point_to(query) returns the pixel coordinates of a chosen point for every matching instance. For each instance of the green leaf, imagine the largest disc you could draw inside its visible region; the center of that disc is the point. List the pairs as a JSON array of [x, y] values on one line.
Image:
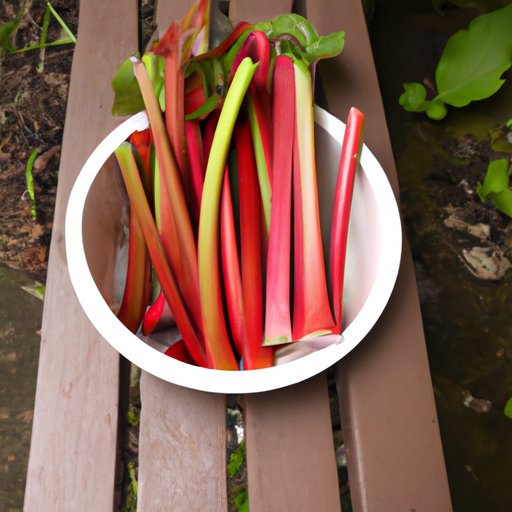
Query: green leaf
[[312, 47], [414, 97], [326, 47], [473, 60], [30, 180], [8, 30], [508, 408], [127, 96], [495, 180], [436, 109], [236, 459], [503, 201], [208, 106], [65, 28], [241, 501]]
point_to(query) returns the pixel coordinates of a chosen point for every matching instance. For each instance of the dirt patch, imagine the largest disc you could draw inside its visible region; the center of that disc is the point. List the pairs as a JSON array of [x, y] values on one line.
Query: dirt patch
[[32, 112]]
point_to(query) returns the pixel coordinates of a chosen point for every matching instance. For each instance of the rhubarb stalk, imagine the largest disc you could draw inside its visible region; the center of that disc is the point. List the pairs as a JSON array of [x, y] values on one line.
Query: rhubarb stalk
[[216, 338], [311, 309], [172, 186], [350, 154], [140, 206], [251, 243], [277, 314]]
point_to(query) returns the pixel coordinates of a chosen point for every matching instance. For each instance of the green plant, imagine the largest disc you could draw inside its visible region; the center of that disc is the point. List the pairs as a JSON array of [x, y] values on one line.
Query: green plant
[[30, 181], [8, 31], [508, 408], [495, 186], [470, 68]]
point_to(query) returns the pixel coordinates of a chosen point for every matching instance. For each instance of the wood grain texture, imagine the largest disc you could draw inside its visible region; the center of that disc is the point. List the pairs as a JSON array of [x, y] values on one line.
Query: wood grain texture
[[182, 449], [252, 12], [290, 449], [388, 412], [182, 442], [73, 449]]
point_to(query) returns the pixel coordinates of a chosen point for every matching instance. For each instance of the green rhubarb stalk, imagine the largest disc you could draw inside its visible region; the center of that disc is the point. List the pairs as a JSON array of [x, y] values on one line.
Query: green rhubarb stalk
[[172, 186], [277, 313], [261, 142], [311, 309], [140, 206], [350, 154], [215, 333]]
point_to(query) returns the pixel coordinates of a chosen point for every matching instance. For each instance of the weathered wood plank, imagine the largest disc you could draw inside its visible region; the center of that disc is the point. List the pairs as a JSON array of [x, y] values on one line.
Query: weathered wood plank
[[394, 450], [182, 442], [73, 449], [290, 449], [290, 452], [252, 12], [182, 449]]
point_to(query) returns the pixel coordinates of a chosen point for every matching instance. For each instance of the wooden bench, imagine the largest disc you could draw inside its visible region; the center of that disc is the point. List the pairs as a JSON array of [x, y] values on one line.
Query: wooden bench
[[395, 459]]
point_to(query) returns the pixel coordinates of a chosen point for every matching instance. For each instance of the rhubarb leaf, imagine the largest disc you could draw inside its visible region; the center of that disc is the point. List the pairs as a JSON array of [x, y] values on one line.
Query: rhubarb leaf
[[311, 46]]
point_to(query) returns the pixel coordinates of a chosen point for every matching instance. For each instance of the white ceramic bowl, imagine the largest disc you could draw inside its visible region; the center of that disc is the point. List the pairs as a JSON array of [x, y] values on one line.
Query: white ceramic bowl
[[373, 258]]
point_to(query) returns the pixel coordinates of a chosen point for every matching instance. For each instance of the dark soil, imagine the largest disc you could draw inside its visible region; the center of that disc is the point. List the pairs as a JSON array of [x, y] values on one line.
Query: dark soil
[[32, 112]]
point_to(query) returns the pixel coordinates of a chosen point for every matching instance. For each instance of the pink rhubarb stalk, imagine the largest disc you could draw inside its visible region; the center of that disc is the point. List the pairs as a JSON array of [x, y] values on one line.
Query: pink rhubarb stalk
[[277, 313], [350, 154], [311, 309]]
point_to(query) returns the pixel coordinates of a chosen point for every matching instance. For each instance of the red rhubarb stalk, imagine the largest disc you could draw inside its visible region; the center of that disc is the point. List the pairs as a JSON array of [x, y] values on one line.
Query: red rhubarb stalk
[[311, 308], [140, 206], [216, 338], [178, 350], [158, 316], [277, 313], [196, 163], [231, 265], [172, 186], [251, 243], [350, 154], [138, 283]]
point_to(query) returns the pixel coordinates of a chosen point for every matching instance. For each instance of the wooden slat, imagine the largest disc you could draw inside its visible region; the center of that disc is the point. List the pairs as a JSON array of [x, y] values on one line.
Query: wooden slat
[[73, 450], [182, 442], [182, 449], [252, 12], [290, 452], [388, 412]]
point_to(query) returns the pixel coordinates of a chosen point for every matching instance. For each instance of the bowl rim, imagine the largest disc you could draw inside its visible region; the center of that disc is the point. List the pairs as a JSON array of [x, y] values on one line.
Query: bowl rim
[[219, 381]]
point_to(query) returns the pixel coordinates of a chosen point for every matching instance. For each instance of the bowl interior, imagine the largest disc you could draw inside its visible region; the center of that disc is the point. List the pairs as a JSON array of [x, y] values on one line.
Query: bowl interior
[[96, 247]]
